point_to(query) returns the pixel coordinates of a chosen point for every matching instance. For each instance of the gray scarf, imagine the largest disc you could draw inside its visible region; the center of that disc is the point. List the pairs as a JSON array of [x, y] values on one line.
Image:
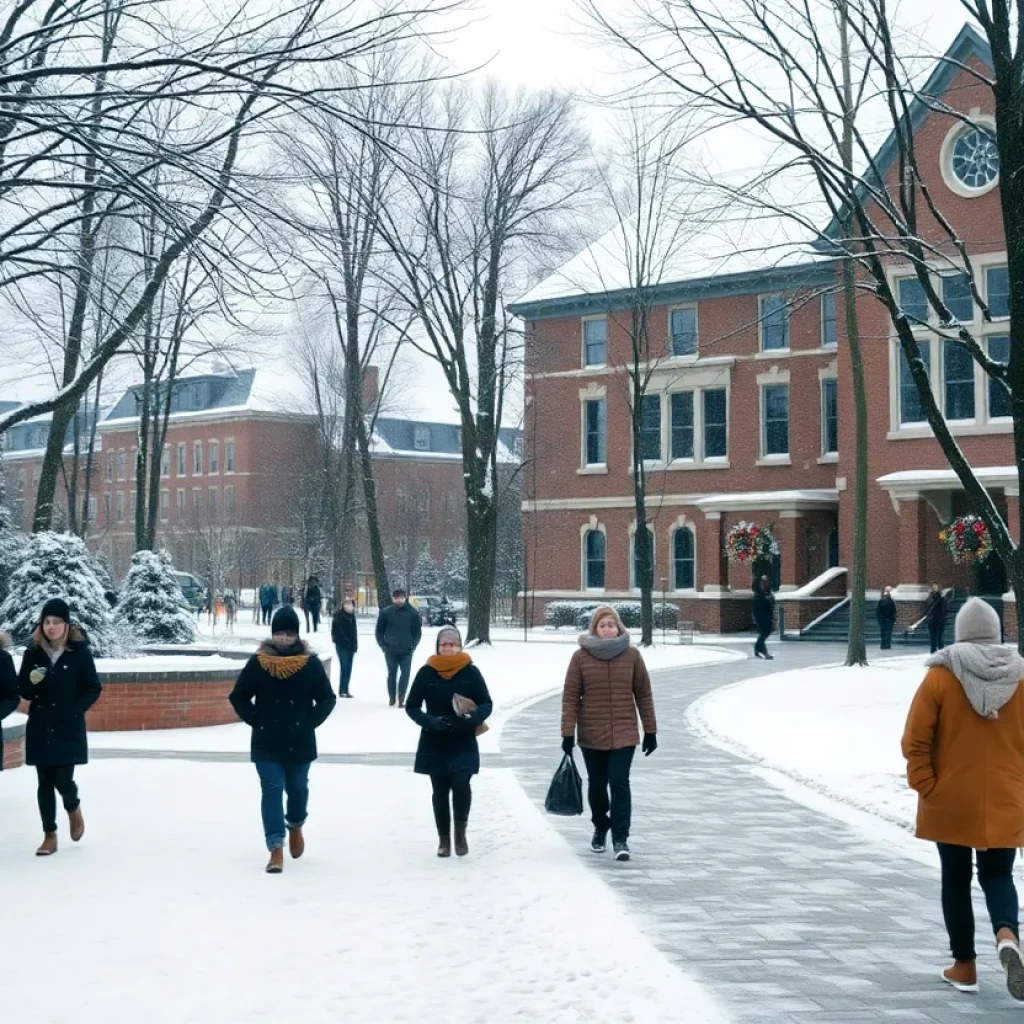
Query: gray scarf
[[989, 673], [604, 648]]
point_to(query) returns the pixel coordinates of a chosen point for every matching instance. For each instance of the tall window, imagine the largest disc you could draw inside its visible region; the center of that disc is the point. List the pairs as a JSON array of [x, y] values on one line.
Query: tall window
[[165, 505], [829, 417], [684, 331], [682, 424], [197, 458], [181, 458], [421, 437], [910, 400], [595, 342], [913, 300], [110, 466], [120, 506], [775, 419], [229, 456], [211, 503], [774, 323], [180, 503], [650, 428], [683, 575], [958, 375], [593, 551], [135, 464], [106, 508], [956, 294], [715, 424], [92, 510], [196, 500], [997, 290], [229, 500], [132, 504], [595, 424], [828, 319], [214, 457], [122, 465], [165, 462], [998, 396], [636, 557]]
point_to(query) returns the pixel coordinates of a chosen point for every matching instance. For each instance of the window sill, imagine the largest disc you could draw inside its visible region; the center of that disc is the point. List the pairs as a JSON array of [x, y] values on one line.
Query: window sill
[[773, 353], [829, 459], [595, 470], [686, 466], [960, 428], [593, 367], [774, 460]]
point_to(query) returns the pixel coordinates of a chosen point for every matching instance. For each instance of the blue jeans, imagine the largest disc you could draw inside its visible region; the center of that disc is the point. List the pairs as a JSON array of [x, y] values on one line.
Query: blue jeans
[[398, 663], [345, 659], [276, 780]]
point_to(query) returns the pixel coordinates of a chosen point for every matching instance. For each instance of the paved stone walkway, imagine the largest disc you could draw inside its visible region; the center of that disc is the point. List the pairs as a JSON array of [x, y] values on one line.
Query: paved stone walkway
[[787, 915]]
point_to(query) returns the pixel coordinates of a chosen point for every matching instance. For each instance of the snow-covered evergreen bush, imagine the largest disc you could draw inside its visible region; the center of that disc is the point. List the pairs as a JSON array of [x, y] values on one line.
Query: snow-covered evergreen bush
[[578, 613], [426, 576], [12, 541], [455, 573], [58, 565], [152, 602]]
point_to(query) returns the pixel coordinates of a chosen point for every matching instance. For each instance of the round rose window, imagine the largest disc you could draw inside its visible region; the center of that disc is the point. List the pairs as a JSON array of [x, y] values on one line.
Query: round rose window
[[975, 159]]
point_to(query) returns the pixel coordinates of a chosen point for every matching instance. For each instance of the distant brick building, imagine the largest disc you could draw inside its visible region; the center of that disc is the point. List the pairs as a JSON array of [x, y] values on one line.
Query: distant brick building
[[749, 412]]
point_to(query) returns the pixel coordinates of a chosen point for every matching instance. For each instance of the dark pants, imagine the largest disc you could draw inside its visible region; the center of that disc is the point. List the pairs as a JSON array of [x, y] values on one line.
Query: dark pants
[[345, 659], [995, 874], [456, 784], [609, 770], [937, 636], [276, 780], [53, 779], [267, 610], [760, 647], [886, 629], [399, 665], [315, 612]]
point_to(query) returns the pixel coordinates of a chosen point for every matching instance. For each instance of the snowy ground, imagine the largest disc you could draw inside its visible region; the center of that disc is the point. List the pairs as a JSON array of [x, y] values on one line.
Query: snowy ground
[[517, 673], [163, 912]]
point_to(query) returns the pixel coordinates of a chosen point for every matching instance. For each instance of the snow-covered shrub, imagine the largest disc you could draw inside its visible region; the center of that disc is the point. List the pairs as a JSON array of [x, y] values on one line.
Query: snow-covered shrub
[[152, 602], [12, 542], [578, 613], [666, 616], [568, 613], [58, 565]]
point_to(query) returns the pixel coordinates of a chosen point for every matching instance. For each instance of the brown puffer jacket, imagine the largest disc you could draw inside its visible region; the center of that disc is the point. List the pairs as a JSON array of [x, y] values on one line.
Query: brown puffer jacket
[[601, 699]]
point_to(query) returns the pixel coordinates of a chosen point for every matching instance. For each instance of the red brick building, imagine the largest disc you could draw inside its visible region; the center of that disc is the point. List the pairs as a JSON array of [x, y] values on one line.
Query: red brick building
[[748, 414]]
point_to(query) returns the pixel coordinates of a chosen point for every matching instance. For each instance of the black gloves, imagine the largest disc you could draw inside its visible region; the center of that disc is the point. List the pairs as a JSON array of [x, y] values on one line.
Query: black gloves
[[650, 744], [568, 742], [438, 723]]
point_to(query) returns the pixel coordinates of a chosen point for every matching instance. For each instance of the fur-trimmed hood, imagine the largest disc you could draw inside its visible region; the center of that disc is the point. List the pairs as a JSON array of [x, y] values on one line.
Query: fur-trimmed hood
[[283, 666]]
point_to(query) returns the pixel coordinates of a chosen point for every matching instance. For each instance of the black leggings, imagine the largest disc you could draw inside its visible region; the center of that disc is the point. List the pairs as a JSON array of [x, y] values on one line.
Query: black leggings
[[59, 778], [457, 784]]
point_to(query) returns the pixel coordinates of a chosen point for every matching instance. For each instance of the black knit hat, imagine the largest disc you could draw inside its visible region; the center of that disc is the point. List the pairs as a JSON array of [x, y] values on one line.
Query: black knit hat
[[56, 608], [285, 620]]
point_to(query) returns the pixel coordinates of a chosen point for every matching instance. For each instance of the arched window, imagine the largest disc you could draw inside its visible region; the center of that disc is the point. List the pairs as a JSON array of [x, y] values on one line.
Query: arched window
[[683, 565], [636, 560], [593, 560]]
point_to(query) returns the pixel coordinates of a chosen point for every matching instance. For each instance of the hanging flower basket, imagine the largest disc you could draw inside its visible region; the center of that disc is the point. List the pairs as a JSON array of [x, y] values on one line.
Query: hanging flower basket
[[746, 543], [967, 539]]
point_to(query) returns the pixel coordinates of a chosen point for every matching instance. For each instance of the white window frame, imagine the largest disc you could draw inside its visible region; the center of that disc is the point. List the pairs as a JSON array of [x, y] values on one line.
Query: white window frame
[[421, 437], [212, 503], [583, 342], [689, 528], [230, 455], [180, 503], [828, 455], [213, 457], [165, 506], [182, 459], [165, 462], [197, 458], [774, 378], [695, 354], [761, 299], [229, 501], [825, 296], [592, 526]]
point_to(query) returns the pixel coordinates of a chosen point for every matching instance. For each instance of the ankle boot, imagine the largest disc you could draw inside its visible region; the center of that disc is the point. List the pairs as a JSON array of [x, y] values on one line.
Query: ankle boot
[[461, 849], [296, 842], [48, 846], [444, 844], [76, 823], [276, 863]]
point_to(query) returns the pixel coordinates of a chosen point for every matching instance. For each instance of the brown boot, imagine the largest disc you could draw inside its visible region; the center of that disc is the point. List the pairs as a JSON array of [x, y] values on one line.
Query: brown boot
[[461, 848], [962, 975], [49, 845], [296, 843], [276, 863], [444, 844], [76, 823]]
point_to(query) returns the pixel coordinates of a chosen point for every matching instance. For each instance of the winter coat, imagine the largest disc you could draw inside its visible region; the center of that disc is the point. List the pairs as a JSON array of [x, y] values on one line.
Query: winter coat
[[9, 698], [55, 734], [886, 610], [312, 598], [443, 752], [285, 698], [764, 610], [343, 631], [268, 595], [399, 629], [935, 609], [600, 700]]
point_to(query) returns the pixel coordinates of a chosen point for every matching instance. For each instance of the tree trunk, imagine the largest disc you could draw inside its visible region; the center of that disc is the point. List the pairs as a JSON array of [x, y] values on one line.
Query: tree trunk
[[481, 524], [90, 459]]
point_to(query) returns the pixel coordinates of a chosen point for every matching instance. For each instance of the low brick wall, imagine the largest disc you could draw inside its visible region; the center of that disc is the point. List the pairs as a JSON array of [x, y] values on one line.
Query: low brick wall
[[14, 745], [171, 700]]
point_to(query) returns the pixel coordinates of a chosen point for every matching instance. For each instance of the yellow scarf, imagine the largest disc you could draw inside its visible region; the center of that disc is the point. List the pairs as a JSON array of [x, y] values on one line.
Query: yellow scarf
[[280, 666], [447, 665]]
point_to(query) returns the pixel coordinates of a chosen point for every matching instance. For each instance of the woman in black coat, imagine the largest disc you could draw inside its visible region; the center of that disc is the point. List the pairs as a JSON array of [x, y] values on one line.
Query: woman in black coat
[[58, 678], [284, 694], [764, 615], [346, 642], [9, 698], [886, 613], [448, 750]]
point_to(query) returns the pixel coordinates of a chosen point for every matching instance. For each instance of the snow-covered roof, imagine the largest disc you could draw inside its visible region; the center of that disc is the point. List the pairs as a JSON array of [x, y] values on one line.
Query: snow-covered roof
[[777, 500], [925, 479], [419, 439]]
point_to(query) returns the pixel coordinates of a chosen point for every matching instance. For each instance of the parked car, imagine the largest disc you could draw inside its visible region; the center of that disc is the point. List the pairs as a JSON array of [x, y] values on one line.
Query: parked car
[[191, 589]]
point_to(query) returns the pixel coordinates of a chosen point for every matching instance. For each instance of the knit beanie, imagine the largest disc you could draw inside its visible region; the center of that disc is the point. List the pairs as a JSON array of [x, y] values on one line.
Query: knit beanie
[[55, 608], [447, 631], [285, 620], [978, 623], [603, 611]]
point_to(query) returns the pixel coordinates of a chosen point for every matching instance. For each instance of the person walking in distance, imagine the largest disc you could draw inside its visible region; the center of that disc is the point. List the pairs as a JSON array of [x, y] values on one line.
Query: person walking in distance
[[283, 692], [964, 747], [9, 697], [935, 611], [886, 614], [448, 750], [764, 616], [58, 678], [311, 600], [346, 642], [267, 601], [605, 686], [398, 634]]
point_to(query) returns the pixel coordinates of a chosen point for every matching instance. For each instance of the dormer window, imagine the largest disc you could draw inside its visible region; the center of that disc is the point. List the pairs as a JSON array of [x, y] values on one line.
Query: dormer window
[[421, 437]]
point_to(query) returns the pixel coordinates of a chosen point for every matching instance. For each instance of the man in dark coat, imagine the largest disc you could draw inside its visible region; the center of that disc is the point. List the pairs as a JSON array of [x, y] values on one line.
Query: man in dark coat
[[886, 613], [764, 615], [345, 634], [284, 694], [935, 609], [9, 698], [58, 678], [311, 600], [398, 634]]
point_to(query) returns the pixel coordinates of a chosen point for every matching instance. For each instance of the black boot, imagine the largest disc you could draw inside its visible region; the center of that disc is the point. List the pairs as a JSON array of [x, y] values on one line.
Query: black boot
[[444, 845], [461, 847]]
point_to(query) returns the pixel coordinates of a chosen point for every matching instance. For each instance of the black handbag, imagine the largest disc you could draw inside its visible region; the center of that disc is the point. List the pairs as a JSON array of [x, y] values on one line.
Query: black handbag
[[565, 794]]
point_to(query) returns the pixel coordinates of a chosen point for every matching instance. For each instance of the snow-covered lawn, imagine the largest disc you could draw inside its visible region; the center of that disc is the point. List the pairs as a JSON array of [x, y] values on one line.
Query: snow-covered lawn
[[835, 729], [517, 673], [163, 912]]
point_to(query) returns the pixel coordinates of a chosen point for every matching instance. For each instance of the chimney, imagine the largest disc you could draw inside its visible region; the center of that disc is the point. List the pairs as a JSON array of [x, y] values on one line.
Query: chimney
[[370, 388]]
